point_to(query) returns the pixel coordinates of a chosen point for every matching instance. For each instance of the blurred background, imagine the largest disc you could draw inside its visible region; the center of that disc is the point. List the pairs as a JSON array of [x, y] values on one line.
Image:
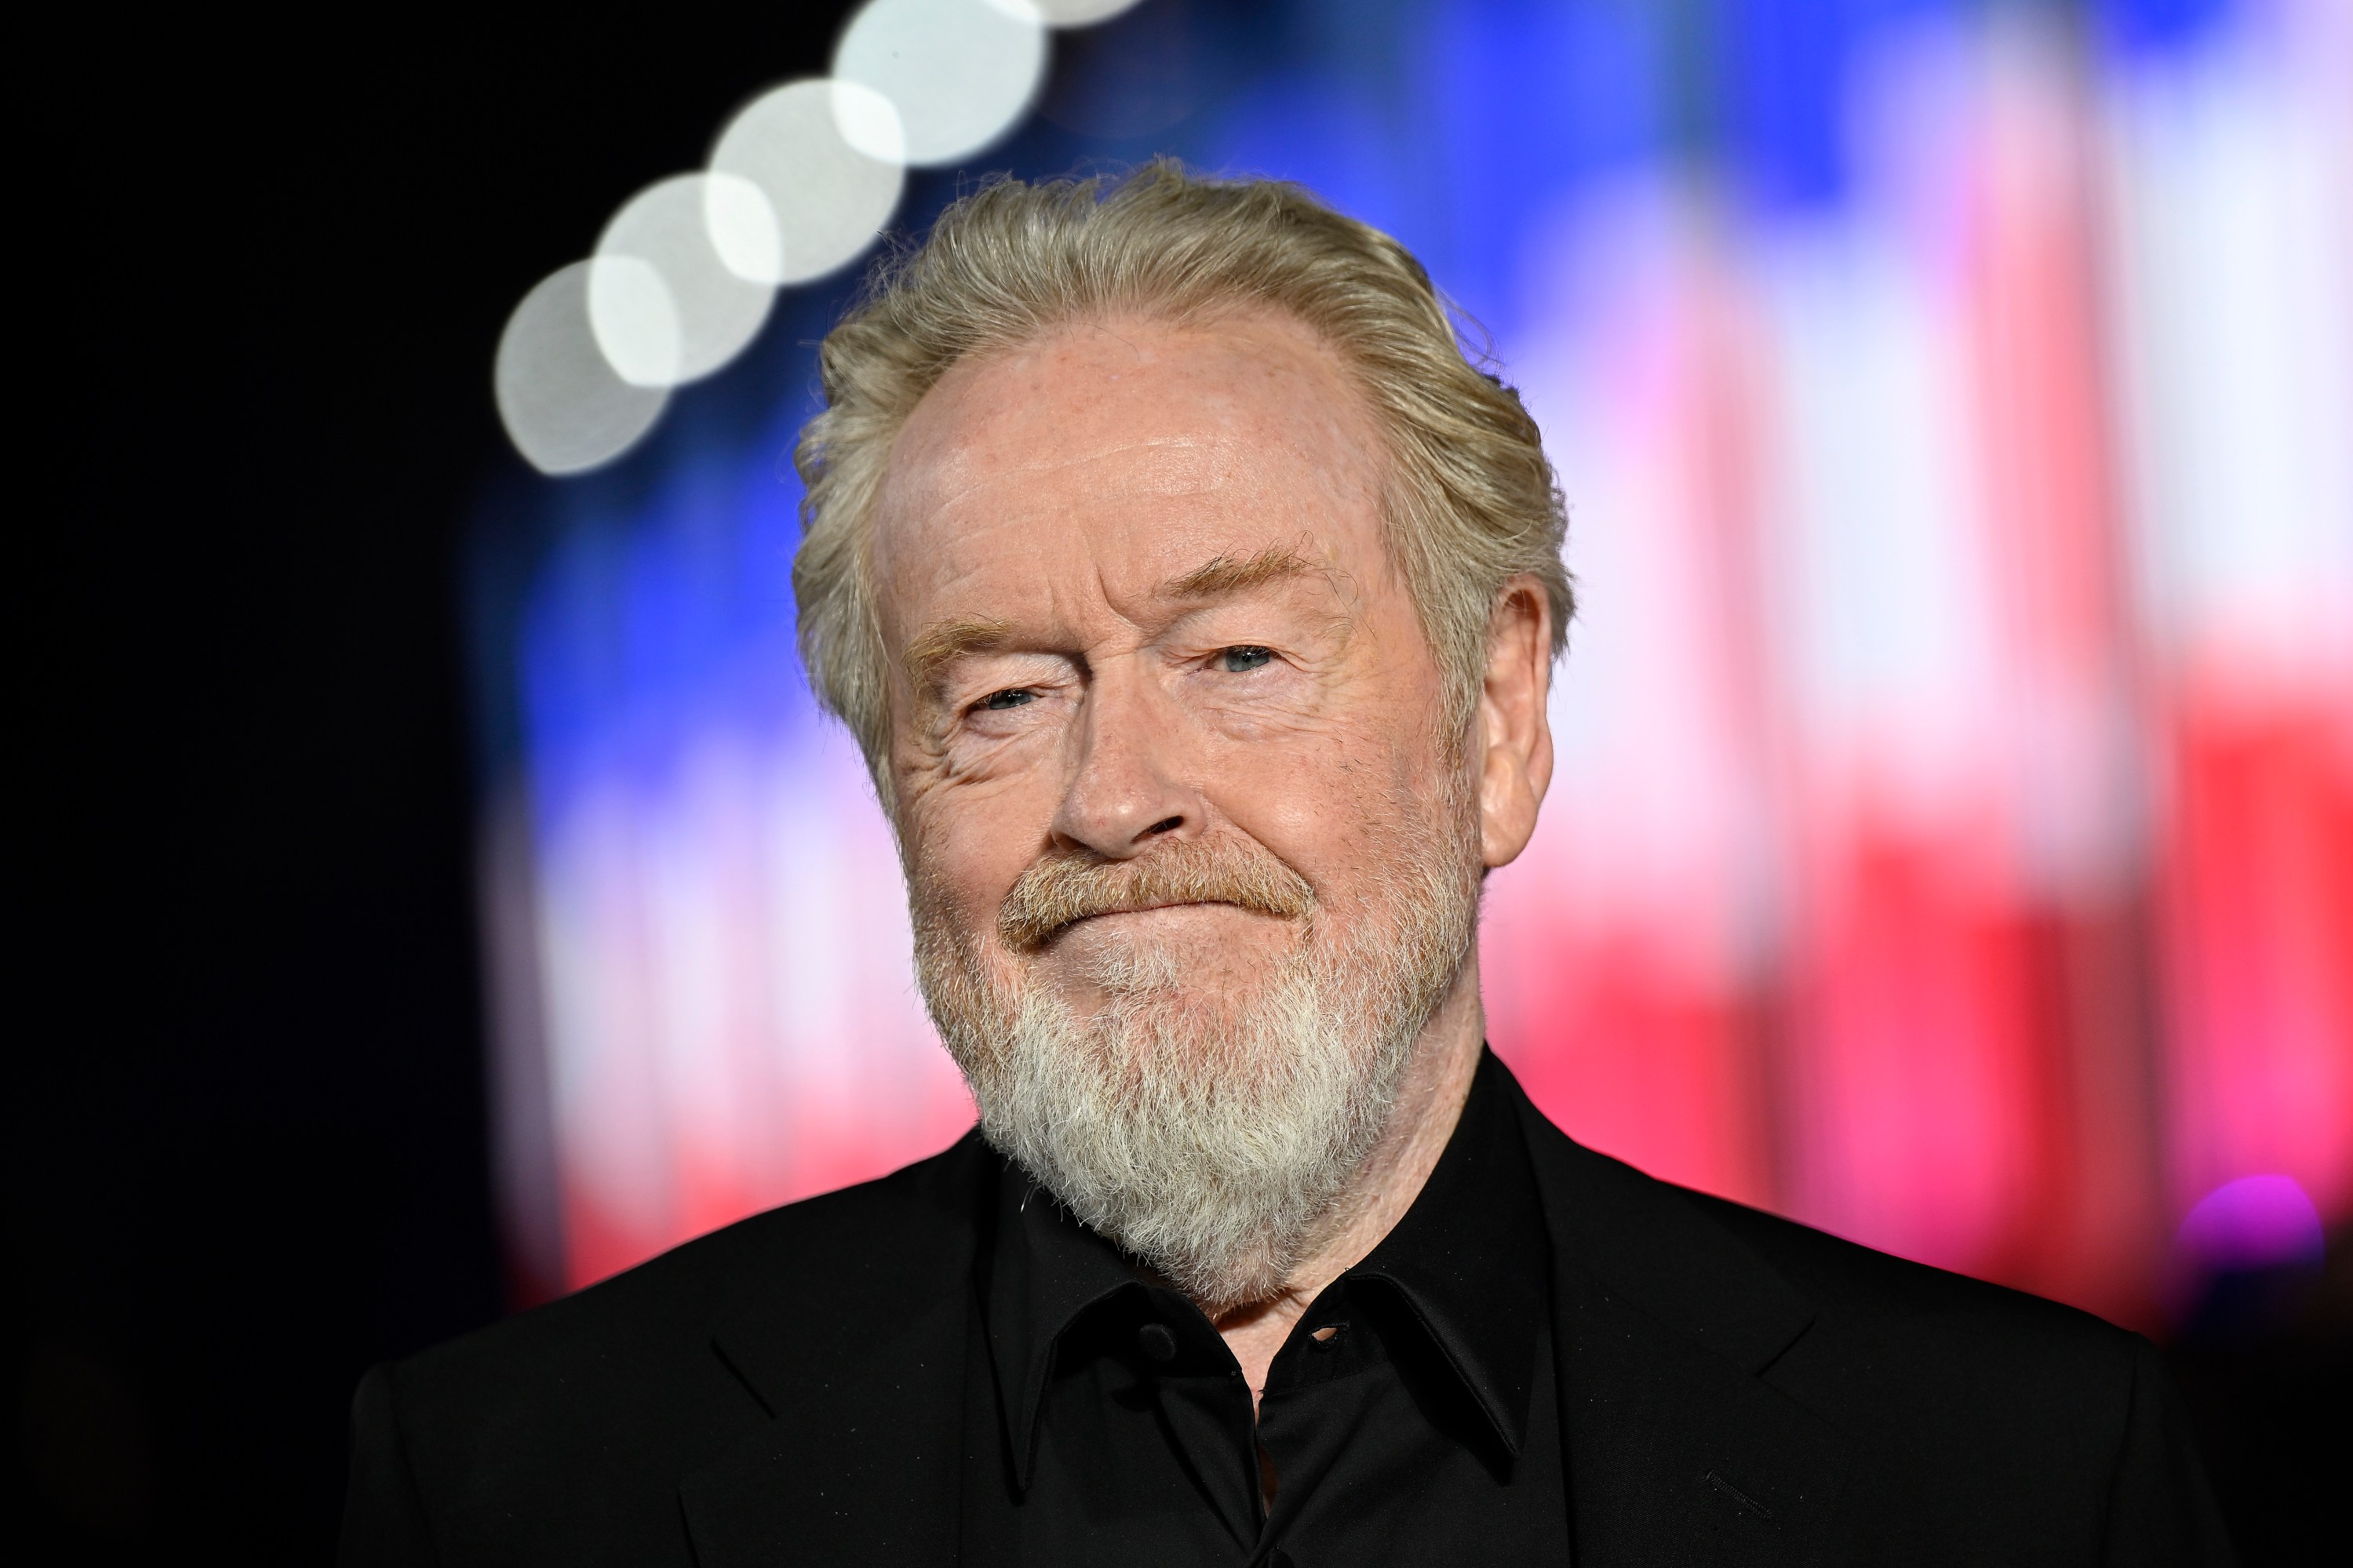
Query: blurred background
[[448, 895]]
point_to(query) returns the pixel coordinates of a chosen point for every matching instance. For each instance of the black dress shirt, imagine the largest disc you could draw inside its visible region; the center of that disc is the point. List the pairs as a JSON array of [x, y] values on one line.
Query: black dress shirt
[[1409, 1417]]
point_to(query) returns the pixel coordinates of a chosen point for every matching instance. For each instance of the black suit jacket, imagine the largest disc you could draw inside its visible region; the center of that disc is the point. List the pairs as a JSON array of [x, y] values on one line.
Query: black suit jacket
[[1733, 1388]]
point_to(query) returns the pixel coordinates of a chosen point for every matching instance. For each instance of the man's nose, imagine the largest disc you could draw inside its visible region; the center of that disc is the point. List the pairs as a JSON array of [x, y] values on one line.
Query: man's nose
[[1124, 795]]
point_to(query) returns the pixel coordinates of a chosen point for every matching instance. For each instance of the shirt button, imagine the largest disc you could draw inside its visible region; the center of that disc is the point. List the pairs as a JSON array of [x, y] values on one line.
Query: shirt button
[[1156, 1341]]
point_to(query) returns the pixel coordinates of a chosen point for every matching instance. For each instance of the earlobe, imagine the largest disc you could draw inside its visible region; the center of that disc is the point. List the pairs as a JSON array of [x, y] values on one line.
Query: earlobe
[[1514, 728]]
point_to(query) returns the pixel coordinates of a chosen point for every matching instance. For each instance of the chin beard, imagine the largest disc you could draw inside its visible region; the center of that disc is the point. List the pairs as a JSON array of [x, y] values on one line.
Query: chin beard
[[1210, 1134]]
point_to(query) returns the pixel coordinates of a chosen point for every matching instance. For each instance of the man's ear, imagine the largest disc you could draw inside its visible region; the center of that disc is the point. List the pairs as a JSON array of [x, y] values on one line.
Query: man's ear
[[1513, 735]]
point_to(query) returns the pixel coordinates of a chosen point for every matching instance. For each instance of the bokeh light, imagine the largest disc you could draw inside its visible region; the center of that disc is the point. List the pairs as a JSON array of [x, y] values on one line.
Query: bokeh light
[[703, 311], [799, 183], [960, 72], [826, 199], [563, 405], [2254, 1222]]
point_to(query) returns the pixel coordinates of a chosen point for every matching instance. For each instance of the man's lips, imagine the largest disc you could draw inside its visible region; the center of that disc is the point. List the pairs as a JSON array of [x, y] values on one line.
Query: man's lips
[[1145, 909]]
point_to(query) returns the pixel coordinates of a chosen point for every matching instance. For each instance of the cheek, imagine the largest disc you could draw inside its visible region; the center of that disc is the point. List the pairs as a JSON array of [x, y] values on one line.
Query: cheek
[[1334, 794], [966, 849], [1332, 809]]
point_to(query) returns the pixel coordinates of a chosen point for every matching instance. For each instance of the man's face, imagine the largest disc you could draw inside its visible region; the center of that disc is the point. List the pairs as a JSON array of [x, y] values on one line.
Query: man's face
[[1133, 579], [1192, 855]]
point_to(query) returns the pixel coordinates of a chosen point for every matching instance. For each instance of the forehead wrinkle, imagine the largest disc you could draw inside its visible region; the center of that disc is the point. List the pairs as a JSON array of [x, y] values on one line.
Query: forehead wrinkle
[[958, 472]]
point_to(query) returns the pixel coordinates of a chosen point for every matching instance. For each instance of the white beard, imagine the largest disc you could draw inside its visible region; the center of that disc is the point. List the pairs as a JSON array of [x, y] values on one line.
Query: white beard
[[1209, 1134]]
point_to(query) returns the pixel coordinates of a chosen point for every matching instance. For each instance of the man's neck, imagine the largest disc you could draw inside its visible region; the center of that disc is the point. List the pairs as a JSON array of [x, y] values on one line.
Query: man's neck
[[1429, 1102]]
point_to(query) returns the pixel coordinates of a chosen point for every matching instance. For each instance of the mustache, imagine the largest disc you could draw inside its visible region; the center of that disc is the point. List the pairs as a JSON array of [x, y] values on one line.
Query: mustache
[[1060, 890]]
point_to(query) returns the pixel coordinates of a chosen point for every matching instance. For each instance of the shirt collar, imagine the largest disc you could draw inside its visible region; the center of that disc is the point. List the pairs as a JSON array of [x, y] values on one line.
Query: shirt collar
[[1470, 1259], [1046, 1270]]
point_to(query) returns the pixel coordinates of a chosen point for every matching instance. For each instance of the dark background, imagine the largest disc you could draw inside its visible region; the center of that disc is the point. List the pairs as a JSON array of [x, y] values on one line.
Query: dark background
[[248, 1147]]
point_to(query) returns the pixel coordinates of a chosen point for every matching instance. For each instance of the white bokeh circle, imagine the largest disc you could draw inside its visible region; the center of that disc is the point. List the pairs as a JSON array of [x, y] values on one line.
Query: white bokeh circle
[[713, 311], [824, 199], [563, 406], [635, 319], [960, 72]]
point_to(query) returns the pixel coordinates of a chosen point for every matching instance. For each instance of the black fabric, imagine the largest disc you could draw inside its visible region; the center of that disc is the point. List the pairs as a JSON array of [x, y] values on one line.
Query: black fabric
[[1729, 1387], [1110, 1422]]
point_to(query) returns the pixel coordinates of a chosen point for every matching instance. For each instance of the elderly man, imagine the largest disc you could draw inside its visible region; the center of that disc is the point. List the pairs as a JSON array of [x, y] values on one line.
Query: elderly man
[[1195, 603]]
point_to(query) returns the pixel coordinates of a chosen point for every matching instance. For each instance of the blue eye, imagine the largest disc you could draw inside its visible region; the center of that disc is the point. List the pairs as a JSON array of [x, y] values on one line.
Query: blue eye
[[1241, 660], [1017, 697]]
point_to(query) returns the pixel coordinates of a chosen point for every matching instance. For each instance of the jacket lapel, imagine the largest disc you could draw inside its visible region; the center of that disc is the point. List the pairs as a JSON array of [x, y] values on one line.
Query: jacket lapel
[[863, 1374], [1677, 1448]]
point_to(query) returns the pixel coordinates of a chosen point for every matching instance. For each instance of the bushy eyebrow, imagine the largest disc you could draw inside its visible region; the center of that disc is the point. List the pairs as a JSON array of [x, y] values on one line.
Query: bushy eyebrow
[[1224, 574], [942, 642]]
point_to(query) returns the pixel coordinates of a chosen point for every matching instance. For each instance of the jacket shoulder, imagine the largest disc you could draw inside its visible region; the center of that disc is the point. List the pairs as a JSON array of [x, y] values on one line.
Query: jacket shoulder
[[1974, 1417], [573, 1423], [1998, 1415], [1893, 1341], [1762, 1287], [840, 1256], [1853, 1280]]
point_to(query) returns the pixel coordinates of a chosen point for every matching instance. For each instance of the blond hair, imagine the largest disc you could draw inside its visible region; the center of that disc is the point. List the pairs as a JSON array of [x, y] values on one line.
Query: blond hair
[[1470, 499]]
